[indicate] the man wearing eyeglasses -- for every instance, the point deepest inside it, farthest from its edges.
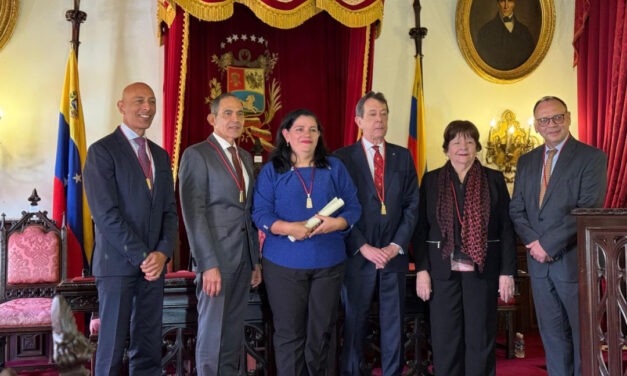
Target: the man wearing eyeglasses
(551, 180)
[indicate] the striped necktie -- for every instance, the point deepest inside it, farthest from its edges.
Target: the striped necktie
(546, 175)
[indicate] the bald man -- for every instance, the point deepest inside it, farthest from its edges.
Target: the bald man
(130, 191)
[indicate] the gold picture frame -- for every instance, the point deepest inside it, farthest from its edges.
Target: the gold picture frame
(476, 19)
(8, 19)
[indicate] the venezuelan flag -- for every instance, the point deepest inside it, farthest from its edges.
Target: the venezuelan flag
(69, 198)
(416, 138)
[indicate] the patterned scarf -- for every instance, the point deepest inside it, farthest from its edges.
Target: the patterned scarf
(474, 224)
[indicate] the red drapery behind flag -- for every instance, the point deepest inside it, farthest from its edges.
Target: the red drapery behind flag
(68, 196)
(416, 138)
(600, 43)
(316, 54)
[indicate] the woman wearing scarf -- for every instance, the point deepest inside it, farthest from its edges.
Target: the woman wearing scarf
(465, 255)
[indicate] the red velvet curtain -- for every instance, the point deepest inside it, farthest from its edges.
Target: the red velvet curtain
(601, 57)
(322, 64)
(318, 63)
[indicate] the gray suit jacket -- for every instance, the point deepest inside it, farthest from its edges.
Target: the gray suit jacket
(219, 227)
(578, 180)
(130, 221)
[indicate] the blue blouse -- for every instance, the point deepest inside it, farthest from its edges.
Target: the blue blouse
(283, 197)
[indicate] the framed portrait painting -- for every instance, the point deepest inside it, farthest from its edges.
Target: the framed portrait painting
(504, 40)
(8, 18)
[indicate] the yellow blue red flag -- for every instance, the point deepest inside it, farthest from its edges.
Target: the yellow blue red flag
(416, 138)
(69, 199)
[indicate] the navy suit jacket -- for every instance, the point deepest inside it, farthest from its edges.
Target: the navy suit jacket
(130, 220)
(501, 253)
(401, 201)
(578, 180)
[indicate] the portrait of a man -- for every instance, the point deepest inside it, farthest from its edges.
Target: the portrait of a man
(504, 42)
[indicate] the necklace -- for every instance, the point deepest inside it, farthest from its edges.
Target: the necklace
(309, 203)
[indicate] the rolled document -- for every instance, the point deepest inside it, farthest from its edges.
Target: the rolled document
(330, 208)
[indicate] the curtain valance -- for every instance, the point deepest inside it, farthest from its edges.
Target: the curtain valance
(282, 14)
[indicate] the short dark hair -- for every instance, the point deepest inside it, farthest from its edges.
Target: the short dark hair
(281, 156)
(215, 103)
(359, 108)
(549, 98)
(463, 127)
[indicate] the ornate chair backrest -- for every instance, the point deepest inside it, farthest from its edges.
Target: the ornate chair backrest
(32, 263)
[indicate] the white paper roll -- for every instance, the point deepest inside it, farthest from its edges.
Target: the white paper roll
(330, 208)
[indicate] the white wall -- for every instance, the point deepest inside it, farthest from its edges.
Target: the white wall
(119, 46)
(452, 89)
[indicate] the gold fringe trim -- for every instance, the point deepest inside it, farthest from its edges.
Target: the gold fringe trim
(165, 14)
(181, 99)
(207, 11)
(282, 19)
(285, 19)
(364, 74)
(353, 18)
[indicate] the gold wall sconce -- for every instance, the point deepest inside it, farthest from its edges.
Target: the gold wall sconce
(507, 141)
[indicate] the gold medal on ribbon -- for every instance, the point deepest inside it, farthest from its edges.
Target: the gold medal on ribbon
(383, 209)
(309, 203)
(241, 196)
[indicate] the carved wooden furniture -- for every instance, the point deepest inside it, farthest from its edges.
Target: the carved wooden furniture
(416, 329)
(32, 263)
(179, 322)
(602, 250)
(72, 350)
(505, 315)
(179, 315)
(179, 326)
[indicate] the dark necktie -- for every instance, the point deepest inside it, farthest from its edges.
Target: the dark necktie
(507, 19)
(238, 170)
(144, 161)
(378, 171)
(548, 163)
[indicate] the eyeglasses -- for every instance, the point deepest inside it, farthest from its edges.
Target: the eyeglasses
(557, 120)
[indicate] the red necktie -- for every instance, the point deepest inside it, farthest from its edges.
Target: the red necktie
(548, 164)
(238, 170)
(378, 170)
(144, 161)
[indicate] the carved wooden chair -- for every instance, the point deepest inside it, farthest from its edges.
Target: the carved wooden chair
(32, 264)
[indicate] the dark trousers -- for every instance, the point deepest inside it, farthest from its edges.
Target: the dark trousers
(357, 294)
(304, 305)
(557, 310)
(463, 325)
(220, 338)
(133, 301)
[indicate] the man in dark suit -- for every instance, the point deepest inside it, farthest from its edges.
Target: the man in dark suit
(504, 42)
(216, 196)
(130, 191)
(378, 243)
(551, 180)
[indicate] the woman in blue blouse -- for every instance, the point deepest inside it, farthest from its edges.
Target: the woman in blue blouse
(303, 277)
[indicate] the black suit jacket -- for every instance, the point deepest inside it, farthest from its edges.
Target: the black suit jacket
(401, 200)
(501, 49)
(130, 221)
(501, 255)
